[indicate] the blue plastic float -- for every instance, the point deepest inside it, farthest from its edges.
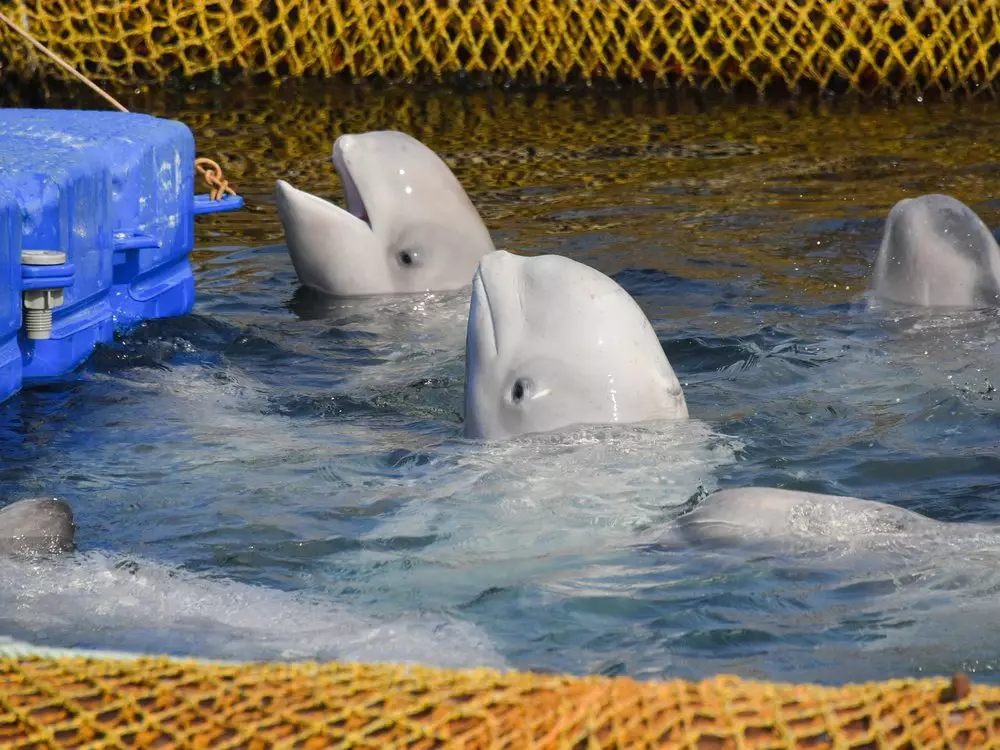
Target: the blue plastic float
(96, 225)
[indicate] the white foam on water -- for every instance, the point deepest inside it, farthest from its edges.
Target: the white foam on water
(100, 601)
(484, 513)
(411, 336)
(540, 503)
(912, 594)
(228, 408)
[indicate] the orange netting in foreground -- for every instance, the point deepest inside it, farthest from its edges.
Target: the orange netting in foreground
(77, 702)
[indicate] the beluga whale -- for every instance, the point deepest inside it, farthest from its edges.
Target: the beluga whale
(36, 525)
(552, 343)
(937, 252)
(409, 226)
(866, 535)
(744, 514)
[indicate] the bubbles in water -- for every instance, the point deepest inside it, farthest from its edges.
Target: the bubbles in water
(282, 475)
(95, 600)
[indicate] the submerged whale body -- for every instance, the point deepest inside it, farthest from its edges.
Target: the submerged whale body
(745, 516)
(408, 227)
(936, 252)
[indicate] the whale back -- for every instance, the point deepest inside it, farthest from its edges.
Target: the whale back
(36, 525)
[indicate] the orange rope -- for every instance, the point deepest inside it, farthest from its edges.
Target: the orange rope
(212, 173)
(207, 168)
(59, 61)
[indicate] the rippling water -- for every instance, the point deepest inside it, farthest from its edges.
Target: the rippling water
(281, 475)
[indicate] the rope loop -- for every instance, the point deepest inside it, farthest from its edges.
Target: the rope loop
(212, 173)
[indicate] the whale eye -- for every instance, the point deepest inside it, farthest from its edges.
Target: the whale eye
(407, 257)
(519, 390)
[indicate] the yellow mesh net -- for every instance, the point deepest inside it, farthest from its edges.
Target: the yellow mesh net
(75, 702)
(544, 166)
(899, 44)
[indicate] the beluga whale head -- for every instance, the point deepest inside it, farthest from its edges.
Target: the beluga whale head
(553, 343)
(936, 252)
(409, 226)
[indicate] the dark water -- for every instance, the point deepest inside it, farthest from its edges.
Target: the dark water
(278, 475)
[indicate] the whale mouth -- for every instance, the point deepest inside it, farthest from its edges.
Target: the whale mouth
(484, 309)
(355, 203)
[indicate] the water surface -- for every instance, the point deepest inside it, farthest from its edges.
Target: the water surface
(279, 475)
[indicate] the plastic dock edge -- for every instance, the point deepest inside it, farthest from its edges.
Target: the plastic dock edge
(10, 304)
(96, 228)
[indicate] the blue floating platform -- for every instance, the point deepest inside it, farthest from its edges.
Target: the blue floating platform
(96, 227)
(11, 369)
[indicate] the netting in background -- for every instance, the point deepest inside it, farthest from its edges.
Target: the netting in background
(544, 166)
(903, 45)
(899, 45)
(75, 702)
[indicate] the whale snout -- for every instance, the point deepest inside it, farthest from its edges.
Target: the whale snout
(282, 192)
(332, 250)
(496, 266)
(496, 281)
(496, 259)
(342, 146)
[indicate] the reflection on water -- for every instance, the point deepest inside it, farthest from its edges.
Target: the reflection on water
(283, 475)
